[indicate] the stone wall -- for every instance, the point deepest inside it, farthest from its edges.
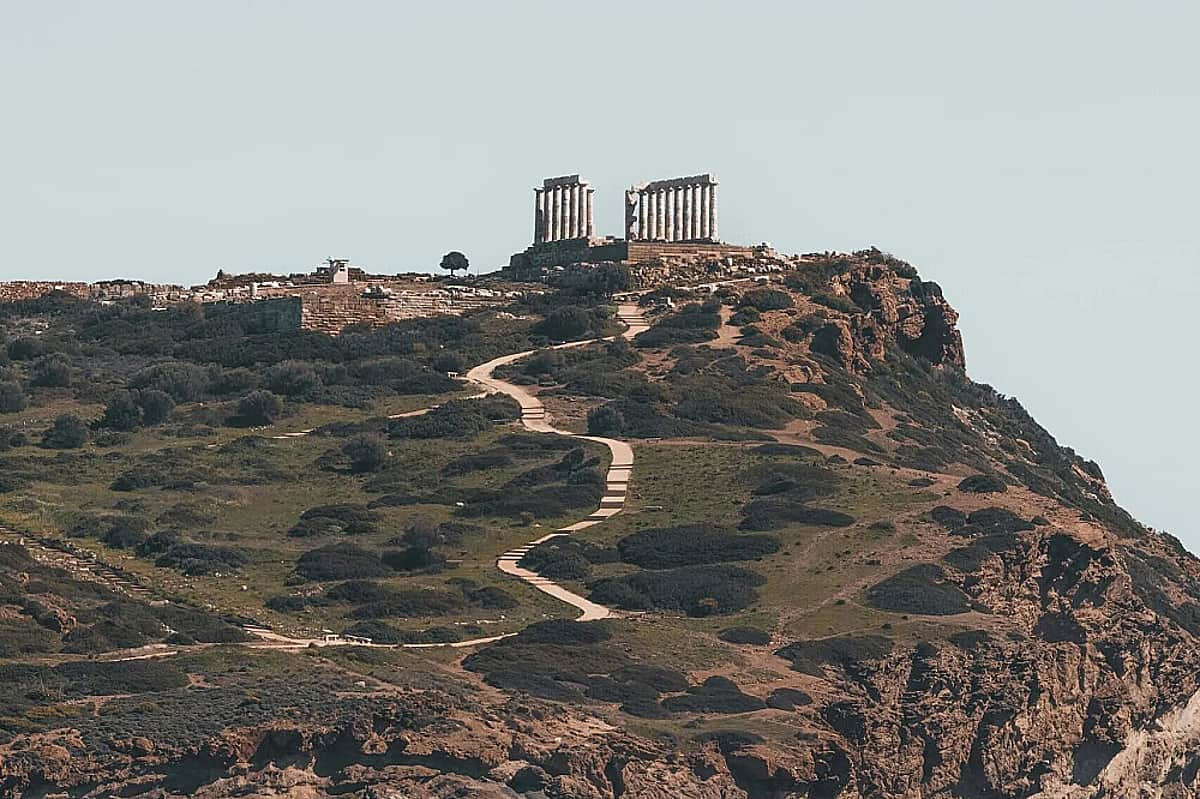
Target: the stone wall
(16, 290)
(332, 311)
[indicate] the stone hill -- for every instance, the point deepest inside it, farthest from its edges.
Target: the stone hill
(837, 567)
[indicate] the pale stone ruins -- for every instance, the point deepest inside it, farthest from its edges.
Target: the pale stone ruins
(670, 221)
(679, 209)
(562, 209)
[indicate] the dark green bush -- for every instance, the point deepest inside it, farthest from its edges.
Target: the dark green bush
(844, 652)
(788, 699)
(714, 695)
(766, 299)
(745, 635)
(12, 398)
(259, 408)
(694, 590)
(773, 512)
(982, 484)
(340, 562)
(691, 545)
(67, 432)
(923, 589)
(196, 559)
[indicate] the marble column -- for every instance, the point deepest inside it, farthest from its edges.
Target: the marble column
(643, 207)
(669, 214)
(537, 215)
(556, 215)
(652, 216)
(590, 230)
(663, 214)
(678, 192)
(690, 208)
(697, 211)
(712, 214)
(576, 211)
(705, 194)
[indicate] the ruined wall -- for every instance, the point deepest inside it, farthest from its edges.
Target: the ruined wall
(331, 312)
(16, 290)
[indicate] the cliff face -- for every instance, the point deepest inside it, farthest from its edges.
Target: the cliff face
(884, 306)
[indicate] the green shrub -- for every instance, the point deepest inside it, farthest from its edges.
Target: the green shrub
(773, 512)
(923, 589)
(606, 420)
(691, 545)
(766, 299)
(788, 699)
(12, 398)
(714, 695)
(745, 635)
(845, 652)
(340, 562)
(259, 408)
(197, 559)
(67, 432)
(982, 484)
(694, 590)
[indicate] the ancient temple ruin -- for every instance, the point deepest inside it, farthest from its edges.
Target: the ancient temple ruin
(678, 209)
(670, 220)
(562, 209)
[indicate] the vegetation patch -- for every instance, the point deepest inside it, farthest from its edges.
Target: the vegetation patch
(923, 589)
(692, 545)
(196, 559)
(691, 324)
(982, 484)
(340, 562)
(694, 590)
(774, 512)
(329, 520)
(566, 558)
(844, 652)
(745, 635)
(788, 699)
(714, 695)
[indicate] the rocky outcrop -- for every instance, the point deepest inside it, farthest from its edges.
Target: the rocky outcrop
(889, 306)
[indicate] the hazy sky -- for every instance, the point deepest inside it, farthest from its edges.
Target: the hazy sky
(1037, 159)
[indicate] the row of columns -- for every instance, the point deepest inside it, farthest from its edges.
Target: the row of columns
(562, 210)
(677, 213)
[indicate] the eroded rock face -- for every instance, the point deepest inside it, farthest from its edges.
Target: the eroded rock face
(909, 311)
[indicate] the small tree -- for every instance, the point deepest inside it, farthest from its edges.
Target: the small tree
(26, 348)
(608, 279)
(259, 407)
(455, 260)
(605, 421)
(12, 398)
(294, 379)
(367, 452)
(122, 412)
(566, 323)
(67, 432)
(422, 534)
(156, 406)
(53, 371)
(448, 362)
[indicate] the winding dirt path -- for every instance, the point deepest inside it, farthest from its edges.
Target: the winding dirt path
(534, 418)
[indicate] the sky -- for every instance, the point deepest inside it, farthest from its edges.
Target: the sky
(1037, 159)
